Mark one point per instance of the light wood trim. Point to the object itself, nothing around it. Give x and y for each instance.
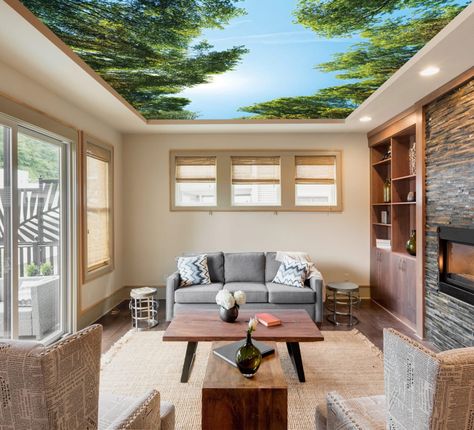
(223, 189)
(89, 275)
(396, 125)
(420, 222)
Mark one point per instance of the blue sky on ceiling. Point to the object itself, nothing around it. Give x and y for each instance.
(280, 62)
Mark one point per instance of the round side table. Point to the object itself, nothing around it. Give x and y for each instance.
(344, 294)
(144, 308)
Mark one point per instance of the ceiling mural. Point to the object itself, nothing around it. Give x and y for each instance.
(247, 59)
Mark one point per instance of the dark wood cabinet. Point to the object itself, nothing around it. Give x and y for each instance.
(403, 284)
(380, 288)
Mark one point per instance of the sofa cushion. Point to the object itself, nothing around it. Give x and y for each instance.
(215, 263)
(198, 293)
(271, 266)
(291, 272)
(256, 292)
(279, 293)
(244, 267)
(193, 270)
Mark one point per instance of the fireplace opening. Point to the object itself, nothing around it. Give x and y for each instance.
(456, 262)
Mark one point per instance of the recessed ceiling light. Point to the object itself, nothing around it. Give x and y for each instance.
(429, 71)
(365, 119)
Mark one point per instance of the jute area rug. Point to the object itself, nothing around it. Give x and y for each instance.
(345, 361)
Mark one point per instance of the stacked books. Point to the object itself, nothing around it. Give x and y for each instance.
(383, 244)
(268, 320)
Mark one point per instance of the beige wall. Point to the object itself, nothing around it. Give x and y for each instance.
(338, 242)
(25, 89)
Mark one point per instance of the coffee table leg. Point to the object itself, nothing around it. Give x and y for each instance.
(295, 355)
(188, 361)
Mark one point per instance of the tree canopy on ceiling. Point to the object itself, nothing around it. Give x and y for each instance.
(390, 40)
(144, 48)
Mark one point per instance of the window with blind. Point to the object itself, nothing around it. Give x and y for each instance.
(256, 181)
(195, 181)
(98, 174)
(315, 181)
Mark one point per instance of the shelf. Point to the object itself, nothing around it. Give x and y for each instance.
(404, 255)
(403, 178)
(382, 162)
(381, 204)
(404, 203)
(381, 224)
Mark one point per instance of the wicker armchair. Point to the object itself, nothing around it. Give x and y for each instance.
(423, 390)
(57, 387)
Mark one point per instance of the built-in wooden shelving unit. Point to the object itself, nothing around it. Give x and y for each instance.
(393, 270)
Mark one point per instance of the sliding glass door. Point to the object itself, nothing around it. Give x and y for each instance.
(34, 239)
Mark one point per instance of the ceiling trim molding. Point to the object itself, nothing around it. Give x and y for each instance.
(245, 121)
(448, 86)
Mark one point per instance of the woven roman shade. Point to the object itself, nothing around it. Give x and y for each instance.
(195, 169)
(315, 169)
(98, 210)
(255, 170)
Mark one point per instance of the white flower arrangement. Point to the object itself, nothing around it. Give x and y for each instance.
(228, 300)
(252, 325)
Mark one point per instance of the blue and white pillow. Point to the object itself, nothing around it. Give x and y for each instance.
(291, 272)
(193, 270)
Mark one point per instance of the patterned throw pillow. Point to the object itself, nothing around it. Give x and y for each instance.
(193, 270)
(291, 272)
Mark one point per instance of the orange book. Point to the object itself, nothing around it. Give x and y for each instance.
(268, 320)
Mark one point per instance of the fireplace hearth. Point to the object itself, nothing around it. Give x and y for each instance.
(456, 262)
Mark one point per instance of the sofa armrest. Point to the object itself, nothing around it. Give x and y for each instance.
(172, 284)
(316, 285)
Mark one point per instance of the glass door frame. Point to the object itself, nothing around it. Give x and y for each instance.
(68, 234)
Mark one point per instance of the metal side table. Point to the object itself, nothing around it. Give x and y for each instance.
(144, 308)
(344, 294)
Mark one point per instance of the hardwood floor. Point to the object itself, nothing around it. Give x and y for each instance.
(373, 319)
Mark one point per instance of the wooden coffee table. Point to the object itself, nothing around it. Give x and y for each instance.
(206, 326)
(230, 401)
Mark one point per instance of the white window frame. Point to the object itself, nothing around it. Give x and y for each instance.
(18, 117)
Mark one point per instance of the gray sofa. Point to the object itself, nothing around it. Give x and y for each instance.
(251, 272)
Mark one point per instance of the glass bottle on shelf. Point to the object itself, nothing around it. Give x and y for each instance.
(387, 190)
(411, 244)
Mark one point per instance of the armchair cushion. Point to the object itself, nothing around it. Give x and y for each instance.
(363, 413)
(126, 412)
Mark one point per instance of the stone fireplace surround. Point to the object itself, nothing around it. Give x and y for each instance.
(449, 322)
